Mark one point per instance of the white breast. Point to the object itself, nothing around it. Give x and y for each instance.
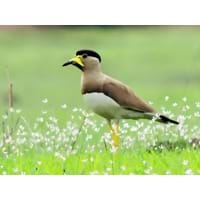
(107, 107)
(102, 104)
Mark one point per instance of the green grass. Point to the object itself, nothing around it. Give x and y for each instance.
(167, 162)
(154, 61)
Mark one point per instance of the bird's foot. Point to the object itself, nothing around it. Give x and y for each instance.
(115, 139)
(115, 135)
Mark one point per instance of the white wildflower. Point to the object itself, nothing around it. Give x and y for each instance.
(53, 119)
(18, 111)
(185, 162)
(97, 129)
(166, 98)
(56, 154)
(185, 108)
(75, 110)
(184, 99)
(197, 104)
(94, 173)
(5, 117)
(91, 159)
(134, 128)
(197, 114)
(150, 102)
(88, 137)
(75, 132)
(15, 170)
(84, 160)
(144, 162)
(45, 101)
(11, 110)
(113, 149)
(44, 112)
(4, 173)
(62, 157)
(123, 168)
(181, 118)
(49, 148)
(64, 106)
(109, 169)
(126, 125)
(106, 137)
(8, 140)
(39, 162)
(188, 172)
(21, 127)
(139, 124)
(147, 171)
(167, 172)
(40, 119)
(128, 141)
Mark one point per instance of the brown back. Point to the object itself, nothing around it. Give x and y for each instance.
(118, 91)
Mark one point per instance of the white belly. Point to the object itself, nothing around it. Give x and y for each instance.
(107, 107)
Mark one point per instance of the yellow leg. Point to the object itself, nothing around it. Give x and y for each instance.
(115, 133)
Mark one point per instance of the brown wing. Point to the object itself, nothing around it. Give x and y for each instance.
(124, 96)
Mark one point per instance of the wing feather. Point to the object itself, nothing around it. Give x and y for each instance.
(124, 96)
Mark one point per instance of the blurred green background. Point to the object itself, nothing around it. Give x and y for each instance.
(156, 61)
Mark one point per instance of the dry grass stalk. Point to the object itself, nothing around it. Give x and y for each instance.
(10, 90)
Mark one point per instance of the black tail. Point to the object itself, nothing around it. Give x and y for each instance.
(165, 119)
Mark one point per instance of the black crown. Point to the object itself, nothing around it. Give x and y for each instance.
(89, 53)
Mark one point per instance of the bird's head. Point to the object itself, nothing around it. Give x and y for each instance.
(85, 59)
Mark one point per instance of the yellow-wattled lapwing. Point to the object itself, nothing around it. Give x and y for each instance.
(108, 97)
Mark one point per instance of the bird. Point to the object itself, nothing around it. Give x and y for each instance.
(110, 98)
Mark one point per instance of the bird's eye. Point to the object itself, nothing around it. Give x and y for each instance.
(85, 55)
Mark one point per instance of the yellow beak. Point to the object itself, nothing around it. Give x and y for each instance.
(75, 60)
